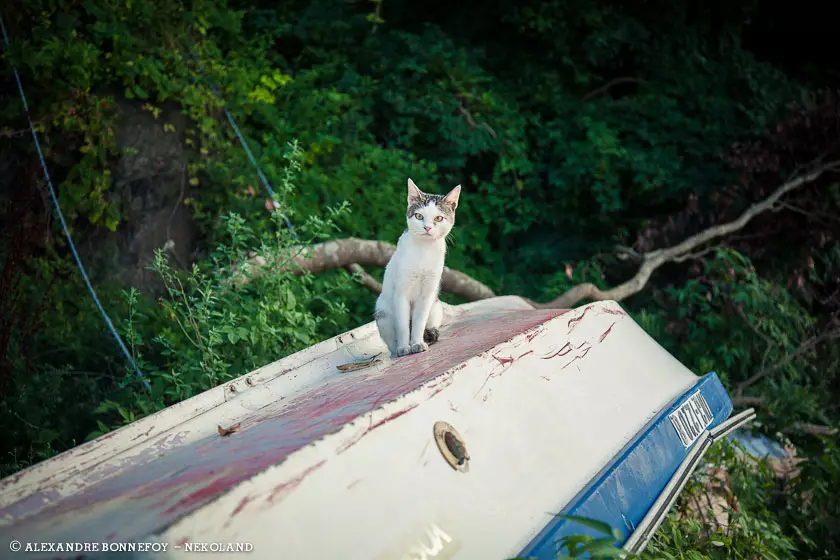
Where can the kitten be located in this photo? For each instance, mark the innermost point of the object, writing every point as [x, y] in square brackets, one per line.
[408, 312]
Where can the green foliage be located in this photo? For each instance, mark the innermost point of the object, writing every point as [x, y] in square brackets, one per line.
[223, 319]
[752, 531]
[572, 127]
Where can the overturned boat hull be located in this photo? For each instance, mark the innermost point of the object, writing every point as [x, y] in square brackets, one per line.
[468, 450]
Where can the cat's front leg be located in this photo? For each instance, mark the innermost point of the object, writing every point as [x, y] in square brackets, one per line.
[402, 312]
[419, 318]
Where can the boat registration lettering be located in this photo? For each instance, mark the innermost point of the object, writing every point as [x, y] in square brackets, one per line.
[432, 542]
[691, 418]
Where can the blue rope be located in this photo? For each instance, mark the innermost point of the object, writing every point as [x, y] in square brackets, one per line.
[251, 157]
[64, 224]
[253, 160]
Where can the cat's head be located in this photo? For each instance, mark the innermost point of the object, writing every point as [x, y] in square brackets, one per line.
[431, 216]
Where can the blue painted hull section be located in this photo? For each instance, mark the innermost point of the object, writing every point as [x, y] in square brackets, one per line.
[625, 489]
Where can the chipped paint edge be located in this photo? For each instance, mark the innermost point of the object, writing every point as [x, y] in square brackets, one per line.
[60, 468]
[305, 461]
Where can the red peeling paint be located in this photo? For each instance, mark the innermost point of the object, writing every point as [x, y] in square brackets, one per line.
[12, 480]
[151, 490]
[575, 320]
[443, 380]
[211, 489]
[107, 436]
[562, 352]
[372, 427]
[606, 332]
[614, 312]
[531, 335]
[578, 357]
[393, 416]
[286, 487]
[241, 506]
[438, 390]
[503, 361]
[510, 359]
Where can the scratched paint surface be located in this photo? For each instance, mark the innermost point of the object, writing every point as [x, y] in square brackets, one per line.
[149, 495]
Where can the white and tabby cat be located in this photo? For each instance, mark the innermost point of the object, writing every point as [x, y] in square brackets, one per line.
[408, 312]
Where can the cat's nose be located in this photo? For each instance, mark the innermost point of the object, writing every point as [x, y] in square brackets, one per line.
[427, 228]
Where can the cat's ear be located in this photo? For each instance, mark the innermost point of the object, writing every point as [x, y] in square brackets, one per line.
[452, 196]
[414, 194]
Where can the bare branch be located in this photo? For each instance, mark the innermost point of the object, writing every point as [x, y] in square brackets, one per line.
[811, 429]
[624, 253]
[767, 339]
[606, 87]
[748, 401]
[697, 255]
[377, 18]
[655, 259]
[803, 427]
[804, 347]
[342, 253]
[365, 279]
[470, 121]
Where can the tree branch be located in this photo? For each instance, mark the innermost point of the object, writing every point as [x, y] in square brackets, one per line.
[471, 121]
[811, 429]
[365, 279]
[803, 427]
[805, 347]
[748, 401]
[654, 259]
[606, 87]
[343, 253]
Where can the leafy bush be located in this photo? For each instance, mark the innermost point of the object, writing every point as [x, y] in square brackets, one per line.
[572, 126]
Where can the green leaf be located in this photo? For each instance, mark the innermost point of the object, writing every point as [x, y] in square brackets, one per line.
[594, 524]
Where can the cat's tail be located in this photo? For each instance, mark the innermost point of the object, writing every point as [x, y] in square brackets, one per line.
[432, 332]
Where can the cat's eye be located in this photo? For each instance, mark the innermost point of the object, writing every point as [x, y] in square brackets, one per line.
[438, 219]
[418, 215]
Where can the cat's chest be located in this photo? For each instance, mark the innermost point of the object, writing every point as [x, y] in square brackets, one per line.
[414, 272]
[418, 270]
[416, 284]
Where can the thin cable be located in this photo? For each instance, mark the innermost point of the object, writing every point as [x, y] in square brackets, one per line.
[250, 154]
[64, 224]
[253, 161]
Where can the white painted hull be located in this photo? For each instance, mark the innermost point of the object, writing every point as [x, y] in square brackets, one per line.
[543, 400]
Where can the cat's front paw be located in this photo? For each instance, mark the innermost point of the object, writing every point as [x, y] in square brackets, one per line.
[404, 351]
[420, 347]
